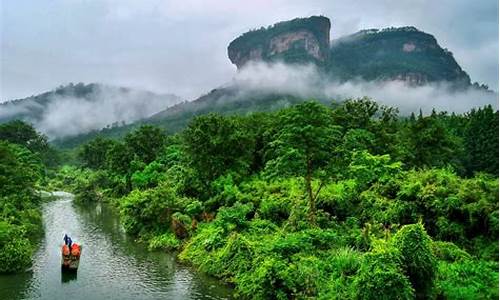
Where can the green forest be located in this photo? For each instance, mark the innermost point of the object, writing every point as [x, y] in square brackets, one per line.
[25, 158]
[341, 201]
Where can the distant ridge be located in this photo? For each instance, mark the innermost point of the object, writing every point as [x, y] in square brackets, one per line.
[79, 108]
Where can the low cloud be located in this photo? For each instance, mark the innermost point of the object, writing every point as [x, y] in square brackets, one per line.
[306, 81]
[66, 115]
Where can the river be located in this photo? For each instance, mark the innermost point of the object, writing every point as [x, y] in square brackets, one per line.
[112, 265]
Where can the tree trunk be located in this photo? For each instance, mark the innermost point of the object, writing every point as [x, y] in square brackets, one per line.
[312, 200]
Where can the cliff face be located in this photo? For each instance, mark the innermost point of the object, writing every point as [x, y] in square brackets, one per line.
[298, 40]
[405, 53]
[394, 54]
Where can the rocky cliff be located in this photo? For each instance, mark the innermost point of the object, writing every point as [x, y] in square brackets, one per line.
[298, 40]
[404, 53]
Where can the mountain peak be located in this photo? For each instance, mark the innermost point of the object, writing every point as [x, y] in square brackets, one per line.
[394, 53]
[297, 40]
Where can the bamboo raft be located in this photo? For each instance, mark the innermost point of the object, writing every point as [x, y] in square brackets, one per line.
[70, 261]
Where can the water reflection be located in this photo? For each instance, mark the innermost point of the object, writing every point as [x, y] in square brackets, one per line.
[68, 276]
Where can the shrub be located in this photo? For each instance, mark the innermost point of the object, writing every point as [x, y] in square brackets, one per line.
[199, 248]
[417, 258]
[150, 210]
[234, 217]
[264, 280]
[467, 279]
[149, 177]
[381, 277]
[344, 261]
[449, 252]
[166, 241]
[341, 267]
[180, 225]
[235, 257]
[367, 168]
[339, 198]
[305, 241]
[15, 256]
[194, 208]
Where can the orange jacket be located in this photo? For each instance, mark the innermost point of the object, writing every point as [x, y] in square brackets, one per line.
[65, 250]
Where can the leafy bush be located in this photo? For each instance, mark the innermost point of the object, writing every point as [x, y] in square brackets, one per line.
[234, 217]
[449, 252]
[368, 168]
[342, 265]
[149, 177]
[181, 224]
[382, 277]
[200, 248]
[149, 210]
[15, 249]
[339, 198]
[467, 279]
[344, 261]
[418, 260]
[166, 241]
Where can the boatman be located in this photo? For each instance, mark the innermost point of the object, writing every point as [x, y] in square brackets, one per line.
[67, 241]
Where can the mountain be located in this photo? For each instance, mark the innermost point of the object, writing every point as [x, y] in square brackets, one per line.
[404, 53]
[394, 54]
[299, 40]
[79, 108]
[361, 63]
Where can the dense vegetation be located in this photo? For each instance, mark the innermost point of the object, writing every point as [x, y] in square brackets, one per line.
[24, 158]
[342, 202]
[380, 55]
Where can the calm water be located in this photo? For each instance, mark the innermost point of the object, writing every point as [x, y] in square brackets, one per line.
[112, 265]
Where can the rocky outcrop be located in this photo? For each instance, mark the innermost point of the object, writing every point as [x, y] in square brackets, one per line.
[298, 40]
[404, 53]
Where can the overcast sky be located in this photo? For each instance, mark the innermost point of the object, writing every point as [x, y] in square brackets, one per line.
[179, 46]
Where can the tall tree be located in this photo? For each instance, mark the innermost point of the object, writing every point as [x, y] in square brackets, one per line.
[216, 145]
[20, 169]
[481, 141]
[429, 143]
[24, 134]
[362, 116]
[21, 133]
[146, 142]
[93, 154]
[304, 145]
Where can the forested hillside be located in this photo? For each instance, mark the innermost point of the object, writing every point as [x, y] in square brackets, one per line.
[349, 201]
